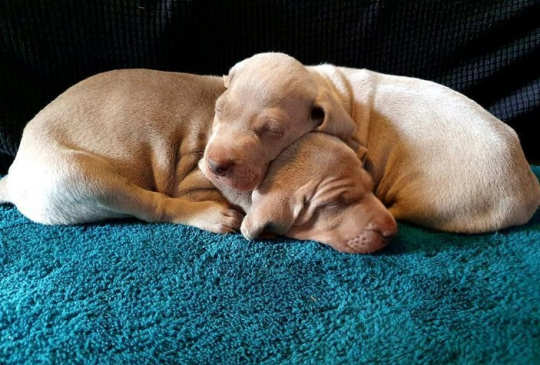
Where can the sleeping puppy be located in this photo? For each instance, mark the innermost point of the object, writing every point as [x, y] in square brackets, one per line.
[437, 158]
[123, 143]
[127, 143]
[269, 103]
[310, 193]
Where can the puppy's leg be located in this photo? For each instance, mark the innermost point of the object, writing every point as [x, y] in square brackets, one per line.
[86, 188]
[150, 206]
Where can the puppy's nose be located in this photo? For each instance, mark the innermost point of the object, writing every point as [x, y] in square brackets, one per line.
[219, 167]
[389, 232]
[387, 228]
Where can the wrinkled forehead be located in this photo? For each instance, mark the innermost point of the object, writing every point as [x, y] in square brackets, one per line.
[271, 87]
[341, 164]
[257, 95]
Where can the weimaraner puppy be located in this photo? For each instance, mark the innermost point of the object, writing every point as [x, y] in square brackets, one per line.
[334, 205]
[127, 143]
[437, 158]
[123, 143]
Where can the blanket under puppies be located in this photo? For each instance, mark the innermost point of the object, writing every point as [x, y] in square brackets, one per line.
[133, 292]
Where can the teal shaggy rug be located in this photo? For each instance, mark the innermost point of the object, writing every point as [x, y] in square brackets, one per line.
[127, 292]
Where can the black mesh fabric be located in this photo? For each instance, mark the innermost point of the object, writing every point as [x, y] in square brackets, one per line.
[488, 50]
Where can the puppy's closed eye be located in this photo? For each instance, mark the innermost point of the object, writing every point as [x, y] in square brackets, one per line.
[270, 129]
[340, 200]
[218, 108]
[220, 103]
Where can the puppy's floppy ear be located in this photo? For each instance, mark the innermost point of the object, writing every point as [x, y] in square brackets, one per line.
[272, 212]
[228, 78]
[226, 81]
[330, 115]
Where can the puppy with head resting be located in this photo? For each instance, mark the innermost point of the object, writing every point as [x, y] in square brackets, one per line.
[437, 158]
[127, 143]
[297, 198]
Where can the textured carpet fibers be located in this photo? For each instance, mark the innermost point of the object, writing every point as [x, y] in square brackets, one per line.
[131, 292]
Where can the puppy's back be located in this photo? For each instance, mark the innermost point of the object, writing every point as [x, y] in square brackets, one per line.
[455, 166]
[141, 124]
[143, 103]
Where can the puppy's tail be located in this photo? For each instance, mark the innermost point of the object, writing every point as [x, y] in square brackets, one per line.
[3, 191]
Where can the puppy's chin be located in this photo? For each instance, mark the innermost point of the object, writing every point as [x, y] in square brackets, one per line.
[245, 186]
[244, 180]
[372, 243]
[355, 249]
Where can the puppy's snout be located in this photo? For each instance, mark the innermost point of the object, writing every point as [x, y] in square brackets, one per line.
[387, 228]
[219, 166]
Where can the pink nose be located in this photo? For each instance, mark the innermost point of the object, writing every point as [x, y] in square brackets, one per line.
[219, 166]
[386, 227]
[375, 236]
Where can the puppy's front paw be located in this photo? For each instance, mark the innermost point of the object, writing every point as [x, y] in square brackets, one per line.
[250, 229]
[218, 218]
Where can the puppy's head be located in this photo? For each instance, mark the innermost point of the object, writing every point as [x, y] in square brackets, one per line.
[317, 190]
[271, 100]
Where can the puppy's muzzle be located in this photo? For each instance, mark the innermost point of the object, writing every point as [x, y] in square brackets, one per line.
[387, 228]
[220, 167]
[376, 236]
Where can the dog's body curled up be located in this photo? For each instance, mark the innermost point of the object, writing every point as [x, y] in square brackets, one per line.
[437, 158]
[123, 143]
[128, 143]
